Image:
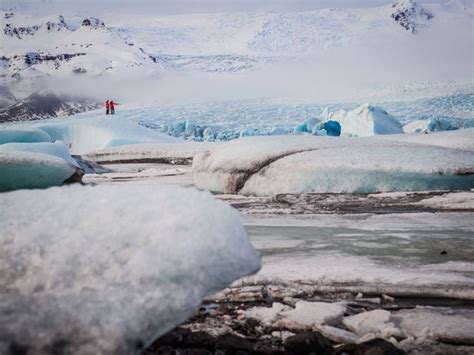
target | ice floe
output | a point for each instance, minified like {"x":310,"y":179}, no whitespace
{"x":119,"y":271}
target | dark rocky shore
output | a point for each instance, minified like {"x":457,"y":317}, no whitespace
{"x":219,"y":327}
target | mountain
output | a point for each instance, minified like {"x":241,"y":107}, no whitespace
{"x":34,"y":47}
{"x":45,"y":105}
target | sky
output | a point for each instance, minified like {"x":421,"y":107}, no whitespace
{"x":164,"y":7}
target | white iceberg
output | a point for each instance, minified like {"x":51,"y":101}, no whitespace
{"x":22,"y":134}
{"x":127,"y":266}
{"x":265,"y":166}
{"x":367,"y":120}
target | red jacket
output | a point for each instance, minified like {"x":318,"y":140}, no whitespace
{"x":112,"y":104}
{"x":107,"y":105}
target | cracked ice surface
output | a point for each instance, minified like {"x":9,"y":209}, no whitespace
{"x":119,"y":271}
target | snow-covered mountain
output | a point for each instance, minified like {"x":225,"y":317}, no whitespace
{"x":35,"y":47}
{"x":45,"y":105}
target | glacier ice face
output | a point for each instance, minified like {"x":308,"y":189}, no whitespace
{"x":27,"y":170}
{"x":128,"y":265}
{"x":22,"y":134}
{"x":271,"y":165}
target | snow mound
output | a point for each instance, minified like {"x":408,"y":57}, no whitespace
{"x":23,"y":134}
{"x":367,"y":120}
{"x":108,"y":285}
{"x":83,"y":136}
{"x":265,"y":166}
{"x":27,"y":169}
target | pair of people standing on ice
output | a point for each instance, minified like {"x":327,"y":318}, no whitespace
{"x":110,"y":107}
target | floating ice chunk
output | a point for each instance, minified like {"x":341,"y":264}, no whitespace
{"x":333,"y":128}
{"x":367,"y":120}
{"x":119,"y":271}
{"x":314,"y":313}
{"x":179,"y":128}
{"x":279,"y":131}
{"x":22,"y":134}
{"x":57,"y":149}
{"x":248,"y":132}
{"x":28,"y":170}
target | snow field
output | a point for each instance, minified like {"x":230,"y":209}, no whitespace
{"x":119,"y":271}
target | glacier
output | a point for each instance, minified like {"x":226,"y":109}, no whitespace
{"x":265,"y":166}
{"x":117,"y":273}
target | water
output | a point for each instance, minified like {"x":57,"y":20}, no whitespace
{"x":356,"y":251}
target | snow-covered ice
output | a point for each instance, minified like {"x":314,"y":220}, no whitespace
{"x":425,"y":323}
{"x":28,"y":169}
{"x":293,"y":164}
{"x":129,"y":264}
{"x":158,"y":152}
{"x":57,"y":149}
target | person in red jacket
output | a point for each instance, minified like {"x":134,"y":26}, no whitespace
{"x":107,"y":107}
{"x":112,"y":106}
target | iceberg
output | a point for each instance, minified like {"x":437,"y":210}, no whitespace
{"x":57,"y":149}
{"x":367,"y":120}
{"x":266,"y":166}
{"x":22,"y":134}
{"x":127,"y":266}
{"x":26,"y":169}
{"x":86,"y":135}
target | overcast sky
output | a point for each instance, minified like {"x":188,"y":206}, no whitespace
{"x":160,"y":7}
{"x":192,"y":6}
